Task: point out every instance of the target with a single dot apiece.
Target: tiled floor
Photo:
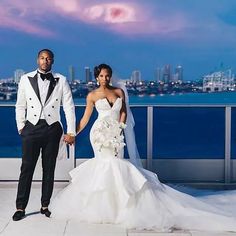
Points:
(35, 224)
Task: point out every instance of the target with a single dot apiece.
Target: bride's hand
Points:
(69, 139)
(122, 127)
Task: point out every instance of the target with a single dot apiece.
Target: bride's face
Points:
(104, 77)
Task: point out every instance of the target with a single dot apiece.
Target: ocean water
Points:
(179, 132)
(220, 98)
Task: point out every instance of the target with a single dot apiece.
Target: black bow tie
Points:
(47, 76)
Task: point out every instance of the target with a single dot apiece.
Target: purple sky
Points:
(129, 35)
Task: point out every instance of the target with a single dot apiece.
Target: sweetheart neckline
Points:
(108, 101)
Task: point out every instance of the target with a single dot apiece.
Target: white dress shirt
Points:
(43, 91)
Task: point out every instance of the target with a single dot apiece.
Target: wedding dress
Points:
(110, 189)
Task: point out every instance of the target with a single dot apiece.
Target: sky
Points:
(129, 35)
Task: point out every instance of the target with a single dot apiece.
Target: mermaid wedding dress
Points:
(110, 189)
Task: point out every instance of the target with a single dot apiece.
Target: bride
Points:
(111, 189)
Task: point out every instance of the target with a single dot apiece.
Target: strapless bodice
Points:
(105, 109)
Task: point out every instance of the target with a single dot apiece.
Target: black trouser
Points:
(38, 137)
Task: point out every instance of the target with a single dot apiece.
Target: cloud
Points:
(66, 6)
(120, 17)
(155, 18)
(25, 27)
(20, 16)
(133, 19)
(110, 13)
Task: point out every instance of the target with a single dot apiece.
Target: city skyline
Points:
(173, 74)
(166, 74)
(130, 36)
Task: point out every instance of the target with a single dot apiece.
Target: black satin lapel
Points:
(52, 85)
(34, 84)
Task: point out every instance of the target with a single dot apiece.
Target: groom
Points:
(39, 97)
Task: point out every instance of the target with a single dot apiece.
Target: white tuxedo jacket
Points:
(29, 106)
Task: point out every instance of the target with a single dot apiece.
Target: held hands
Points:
(69, 139)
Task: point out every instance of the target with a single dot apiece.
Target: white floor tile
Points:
(3, 224)
(195, 233)
(35, 225)
(75, 228)
(159, 234)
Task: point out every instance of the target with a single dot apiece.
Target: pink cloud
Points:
(132, 19)
(18, 16)
(66, 6)
(110, 13)
(120, 17)
(25, 27)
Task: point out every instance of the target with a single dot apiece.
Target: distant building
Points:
(218, 81)
(175, 78)
(88, 75)
(136, 76)
(179, 73)
(17, 75)
(166, 74)
(71, 74)
(158, 74)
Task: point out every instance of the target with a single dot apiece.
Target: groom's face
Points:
(45, 61)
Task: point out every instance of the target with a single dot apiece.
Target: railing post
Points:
(72, 155)
(149, 137)
(227, 144)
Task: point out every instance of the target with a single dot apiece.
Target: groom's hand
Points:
(69, 139)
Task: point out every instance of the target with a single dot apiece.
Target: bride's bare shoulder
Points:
(93, 95)
(119, 92)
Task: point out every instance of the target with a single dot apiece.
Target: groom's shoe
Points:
(45, 212)
(18, 215)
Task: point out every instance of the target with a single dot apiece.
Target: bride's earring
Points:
(110, 82)
(98, 82)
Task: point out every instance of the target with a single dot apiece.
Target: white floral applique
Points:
(108, 133)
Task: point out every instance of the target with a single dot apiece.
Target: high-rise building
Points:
(158, 74)
(71, 73)
(88, 75)
(17, 74)
(175, 77)
(179, 72)
(166, 73)
(136, 76)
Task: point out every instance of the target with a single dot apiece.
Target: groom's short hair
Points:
(48, 51)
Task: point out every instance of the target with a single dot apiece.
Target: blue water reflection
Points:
(10, 142)
(179, 132)
(233, 133)
(189, 132)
